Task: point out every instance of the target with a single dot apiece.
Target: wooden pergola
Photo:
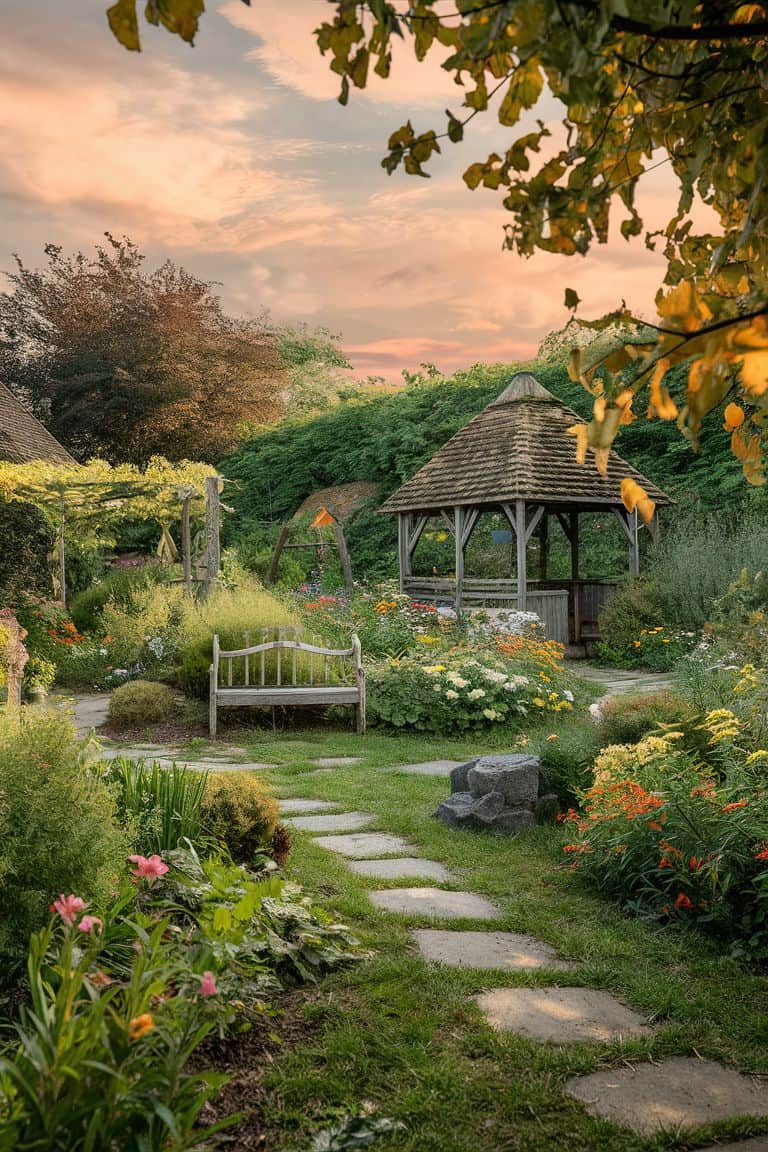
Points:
(516, 458)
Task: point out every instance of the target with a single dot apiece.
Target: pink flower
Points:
(88, 923)
(208, 985)
(68, 908)
(148, 867)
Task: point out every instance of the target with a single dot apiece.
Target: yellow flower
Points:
(537, 700)
(552, 737)
(139, 1027)
(433, 669)
(547, 679)
(755, 756)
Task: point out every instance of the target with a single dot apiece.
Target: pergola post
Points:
(544, 547)
(522, 574)
(458, 536)
(186, 542)
(212, 530)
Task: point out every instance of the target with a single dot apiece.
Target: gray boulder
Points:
(516, 777)
(459, 775)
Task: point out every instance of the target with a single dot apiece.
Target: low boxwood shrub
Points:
(240, 812)
(58, 831)
(141, 702)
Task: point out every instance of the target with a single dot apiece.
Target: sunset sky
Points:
(234, 159)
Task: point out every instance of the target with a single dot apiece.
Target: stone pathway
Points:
(617, 681)
(647, 1097)
(343, 822)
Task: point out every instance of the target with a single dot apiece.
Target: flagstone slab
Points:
(167, 758)
(435, 902)
(487, 950)
(341, 822)
(300, 804)
(401, 867)
(430, 768)
(673, 1094)
(560, 1015)
(363, 845)
(336, 761)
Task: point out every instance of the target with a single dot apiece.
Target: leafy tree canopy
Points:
(639, 85)
(124, 363)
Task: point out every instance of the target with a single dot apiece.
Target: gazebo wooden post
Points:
(522, 574)
(573, 518)
(458, 535)
(403, 559)
(634, 544)
(544, 547)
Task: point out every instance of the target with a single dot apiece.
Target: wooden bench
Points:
(300, 691)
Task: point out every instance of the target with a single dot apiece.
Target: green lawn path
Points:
(406, 1037)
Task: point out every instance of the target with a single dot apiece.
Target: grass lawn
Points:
(406, 1037)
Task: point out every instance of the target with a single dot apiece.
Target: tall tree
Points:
(683, 84)
(124, 364)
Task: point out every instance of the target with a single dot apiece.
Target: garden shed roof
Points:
(23, 437)
(516, 449)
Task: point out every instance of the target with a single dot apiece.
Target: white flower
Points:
(491, 713)
(476, 694)
(568, 696)
(456, 680)
(596, 712)
(451, 695)
(494, 676)
(156, 647)
(102, 651)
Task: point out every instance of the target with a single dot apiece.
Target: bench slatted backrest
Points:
(279, 641)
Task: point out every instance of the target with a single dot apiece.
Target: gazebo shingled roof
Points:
(516, 448)
(516, 456)
(23, 437)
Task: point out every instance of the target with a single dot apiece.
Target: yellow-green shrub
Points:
(240, 812)
(57, 829)
(141, 702)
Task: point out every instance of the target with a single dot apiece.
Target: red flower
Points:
(762, 855)
(734, 805)
(683, 902)
(696, 863)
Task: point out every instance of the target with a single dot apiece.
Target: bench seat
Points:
(332, 694)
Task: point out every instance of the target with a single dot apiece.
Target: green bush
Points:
(627, 718)
(566, 756)
(160, 806)
(634, 631)
(57, 825)
(118, 586)
(141, 702)
(192, 671)
(240, 812)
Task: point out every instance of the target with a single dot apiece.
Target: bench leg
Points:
(212, 707)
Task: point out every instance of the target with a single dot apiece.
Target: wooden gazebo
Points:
(516, 457)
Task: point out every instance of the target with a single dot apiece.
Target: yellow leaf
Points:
(581, 434)
(661, 403)
(754, 372)
(598, 409)
(124, 24)
(635, 497)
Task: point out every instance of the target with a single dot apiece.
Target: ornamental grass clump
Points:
(675, 841)
(141, 702)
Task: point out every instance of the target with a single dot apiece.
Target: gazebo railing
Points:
(568, 608)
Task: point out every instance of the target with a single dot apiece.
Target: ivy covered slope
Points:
(386, 438)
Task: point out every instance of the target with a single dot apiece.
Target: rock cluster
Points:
(497, 792)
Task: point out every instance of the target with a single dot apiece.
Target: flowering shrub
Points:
(672, 841)
(462, 694)
(387, 622)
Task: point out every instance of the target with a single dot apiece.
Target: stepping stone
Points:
(650, 1098)
(401, 867)
(342, 822)
(435, 902)
(560, 1015)
(337, 761)
(364, 844)
(430, 768)
(487, 950)
(297, 804)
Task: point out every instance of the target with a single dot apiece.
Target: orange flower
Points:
(762, 855)
(665, 862)
(139, 1026)
(683, 902)
(736, 804)
(696, 863)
